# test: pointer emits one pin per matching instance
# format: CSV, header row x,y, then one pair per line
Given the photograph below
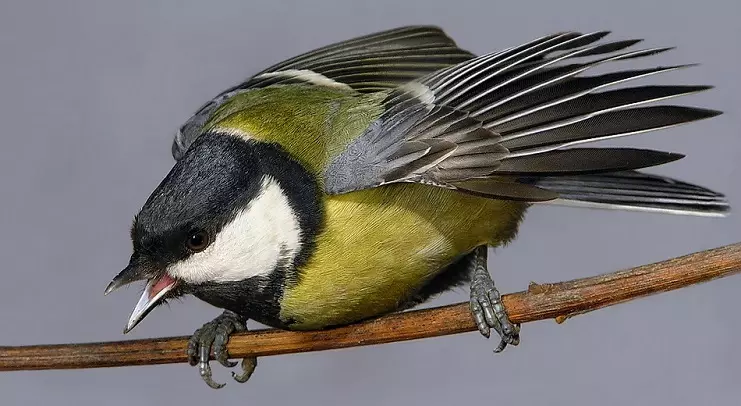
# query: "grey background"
x,y
91,92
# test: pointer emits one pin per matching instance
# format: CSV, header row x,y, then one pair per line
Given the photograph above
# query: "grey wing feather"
x,y
507,117
602,126
369,63
634,190
532,105
584,160
403,54
388,151
589,105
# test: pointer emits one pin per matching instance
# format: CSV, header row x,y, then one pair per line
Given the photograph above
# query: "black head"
x,y
230,210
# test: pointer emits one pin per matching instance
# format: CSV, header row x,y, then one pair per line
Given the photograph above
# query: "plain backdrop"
x,y
92,91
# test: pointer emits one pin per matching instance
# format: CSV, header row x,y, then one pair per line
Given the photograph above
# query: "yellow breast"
x,y
379,246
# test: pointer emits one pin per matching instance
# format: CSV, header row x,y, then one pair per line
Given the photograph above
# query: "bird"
x,y
367,176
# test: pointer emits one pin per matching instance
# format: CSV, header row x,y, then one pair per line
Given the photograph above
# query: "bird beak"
x,y
154,291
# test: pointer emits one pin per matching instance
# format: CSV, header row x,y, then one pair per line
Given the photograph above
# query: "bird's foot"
x,y
214,335
487,308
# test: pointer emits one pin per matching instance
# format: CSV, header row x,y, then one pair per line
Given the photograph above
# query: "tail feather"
x,y
633,190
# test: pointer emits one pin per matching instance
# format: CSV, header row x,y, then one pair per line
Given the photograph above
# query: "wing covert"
x,y
369,63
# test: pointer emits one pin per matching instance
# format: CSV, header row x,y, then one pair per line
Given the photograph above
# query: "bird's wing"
x,y
365,64
374,62
484,124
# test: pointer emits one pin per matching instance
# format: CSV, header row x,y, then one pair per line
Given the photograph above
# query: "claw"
x,y
248,367
213,336
205,370
225,362
502,345
486,304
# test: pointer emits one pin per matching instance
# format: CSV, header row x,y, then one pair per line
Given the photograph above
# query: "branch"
x,y
539,302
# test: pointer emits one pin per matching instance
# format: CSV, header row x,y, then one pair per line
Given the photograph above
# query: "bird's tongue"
x,y
163,282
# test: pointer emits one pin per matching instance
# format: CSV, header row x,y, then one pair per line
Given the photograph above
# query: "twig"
x,y
539,302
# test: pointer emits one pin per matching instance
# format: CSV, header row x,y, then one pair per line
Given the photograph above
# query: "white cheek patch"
x,y
262,235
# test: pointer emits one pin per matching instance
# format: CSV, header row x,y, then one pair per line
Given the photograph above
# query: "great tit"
x,y
365,177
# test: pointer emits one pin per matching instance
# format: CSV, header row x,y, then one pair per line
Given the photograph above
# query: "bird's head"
x,y
230,210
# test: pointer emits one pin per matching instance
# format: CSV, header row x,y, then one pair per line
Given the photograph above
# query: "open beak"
x,y
155,290
153,293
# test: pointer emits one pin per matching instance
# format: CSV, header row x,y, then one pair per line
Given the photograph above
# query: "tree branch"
x,y
539,302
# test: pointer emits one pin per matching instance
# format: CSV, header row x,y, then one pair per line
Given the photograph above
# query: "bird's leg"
x,y
214,335
486,303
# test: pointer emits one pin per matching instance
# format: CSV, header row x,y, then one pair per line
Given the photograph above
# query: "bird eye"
x,y
198,241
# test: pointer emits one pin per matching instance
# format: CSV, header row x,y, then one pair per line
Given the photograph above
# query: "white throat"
x,y
261,236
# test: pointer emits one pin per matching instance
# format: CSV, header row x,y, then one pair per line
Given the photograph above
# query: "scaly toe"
x,y
478,317
489,314
193,349
213,336
219,345
204,368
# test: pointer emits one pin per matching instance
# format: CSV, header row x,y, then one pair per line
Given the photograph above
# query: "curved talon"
x,y
205,370
222,356
225,362
248,367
